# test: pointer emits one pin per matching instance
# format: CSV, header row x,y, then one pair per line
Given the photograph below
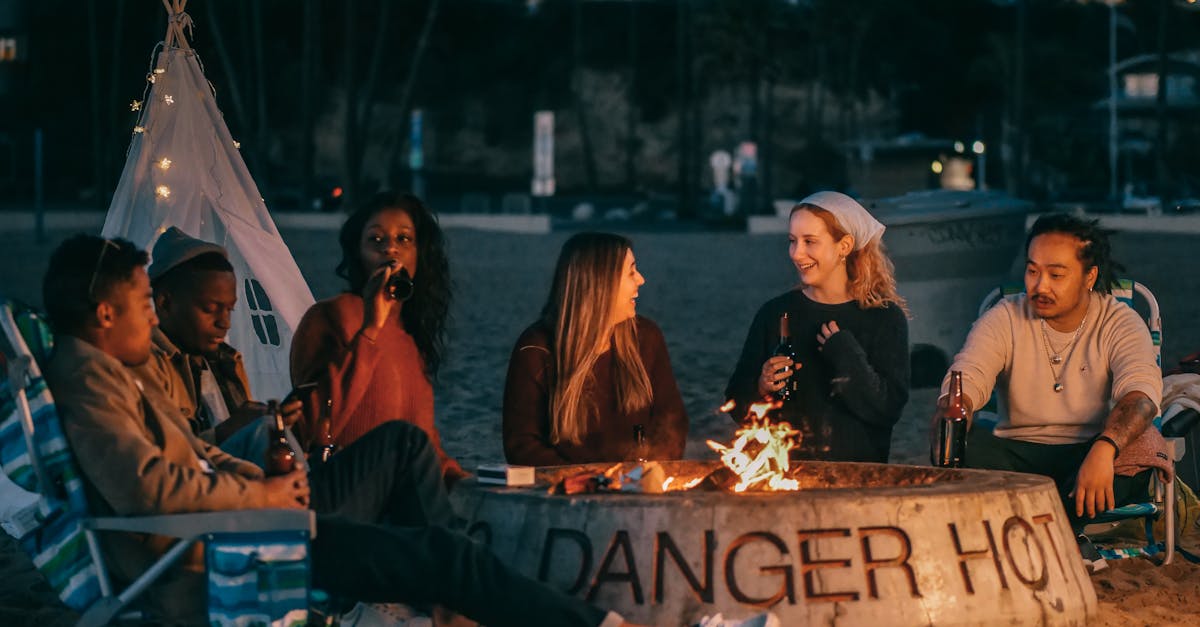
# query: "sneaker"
x,y
1092,560
765,619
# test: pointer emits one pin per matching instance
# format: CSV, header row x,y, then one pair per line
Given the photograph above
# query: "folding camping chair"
x,y
58,533
1163,500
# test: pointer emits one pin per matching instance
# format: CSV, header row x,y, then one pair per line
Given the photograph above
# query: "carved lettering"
x,y
1014,523
786,590
1044,520
664,545
809,565
620,541
965,556
581,540
872,564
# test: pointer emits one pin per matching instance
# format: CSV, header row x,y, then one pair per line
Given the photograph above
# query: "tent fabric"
x,y
184,169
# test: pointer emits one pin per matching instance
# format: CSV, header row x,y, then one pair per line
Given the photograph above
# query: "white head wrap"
x,y
853,218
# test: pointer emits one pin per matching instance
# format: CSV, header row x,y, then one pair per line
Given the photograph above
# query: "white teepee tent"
x,y
183,169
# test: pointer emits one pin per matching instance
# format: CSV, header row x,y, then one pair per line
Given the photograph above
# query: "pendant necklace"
x,y
1056,358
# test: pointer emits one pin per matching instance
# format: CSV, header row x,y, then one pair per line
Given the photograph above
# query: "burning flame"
x,y
759,455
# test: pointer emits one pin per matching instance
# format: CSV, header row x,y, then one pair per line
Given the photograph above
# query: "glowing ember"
x,y
727,407
759,454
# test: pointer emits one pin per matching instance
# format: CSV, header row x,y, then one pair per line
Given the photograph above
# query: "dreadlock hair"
x,y
1096,250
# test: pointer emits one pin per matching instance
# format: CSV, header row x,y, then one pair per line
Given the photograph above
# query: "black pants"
x,y
1060,462
382,536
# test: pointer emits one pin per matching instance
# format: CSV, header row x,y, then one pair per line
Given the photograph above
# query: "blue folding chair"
x,y
268,584
1162,502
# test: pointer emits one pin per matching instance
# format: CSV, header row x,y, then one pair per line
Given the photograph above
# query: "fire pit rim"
x,y
966,480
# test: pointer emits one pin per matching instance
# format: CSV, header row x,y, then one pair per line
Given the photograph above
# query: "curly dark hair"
x,y
1096,250
426,314
84,271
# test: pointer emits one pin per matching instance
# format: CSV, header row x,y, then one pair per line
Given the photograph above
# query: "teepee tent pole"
x,y
177,20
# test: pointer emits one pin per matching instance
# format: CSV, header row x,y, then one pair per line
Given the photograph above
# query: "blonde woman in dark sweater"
x,y
591,374
849,333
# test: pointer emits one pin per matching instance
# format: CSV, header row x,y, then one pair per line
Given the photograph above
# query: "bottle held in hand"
x,y
785,349
641,447
400,286
281,459
323,447
950,439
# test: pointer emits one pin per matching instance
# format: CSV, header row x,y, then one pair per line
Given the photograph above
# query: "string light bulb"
x,y
139,129
160,70
136,105
237,144
164,164
150,78
162,191
169,99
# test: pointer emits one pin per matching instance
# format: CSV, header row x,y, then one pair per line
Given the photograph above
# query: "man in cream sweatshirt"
x,y
1074,372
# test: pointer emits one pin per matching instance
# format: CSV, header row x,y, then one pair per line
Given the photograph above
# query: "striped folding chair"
x,y
260,575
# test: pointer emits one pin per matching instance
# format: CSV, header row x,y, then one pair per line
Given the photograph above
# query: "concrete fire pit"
x,y
859,544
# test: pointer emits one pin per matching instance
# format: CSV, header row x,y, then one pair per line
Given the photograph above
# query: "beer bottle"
x,y
280,458
950,440
641,448
784,349
322,445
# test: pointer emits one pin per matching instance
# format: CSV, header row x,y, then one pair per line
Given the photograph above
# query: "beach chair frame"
x,y
23,374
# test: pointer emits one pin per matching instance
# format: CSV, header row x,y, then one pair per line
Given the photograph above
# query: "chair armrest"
x,y
1180,423
195,525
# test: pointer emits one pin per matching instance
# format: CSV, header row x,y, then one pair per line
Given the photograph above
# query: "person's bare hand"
x,y
377,305
292,411
774,372
827,331
1094,484
288,491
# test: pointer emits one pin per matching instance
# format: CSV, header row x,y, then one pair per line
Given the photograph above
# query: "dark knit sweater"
x,y
851,390
609,433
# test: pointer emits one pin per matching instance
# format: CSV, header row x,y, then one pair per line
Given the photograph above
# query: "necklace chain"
x,y
1056,359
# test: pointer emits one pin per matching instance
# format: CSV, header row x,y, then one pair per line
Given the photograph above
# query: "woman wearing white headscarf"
x,y
849,335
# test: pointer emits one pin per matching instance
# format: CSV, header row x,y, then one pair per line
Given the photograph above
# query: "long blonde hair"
x,y
872,276
577,314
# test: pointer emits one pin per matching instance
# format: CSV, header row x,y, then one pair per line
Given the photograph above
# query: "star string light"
x,y
169,99
162,191
164,164
136,105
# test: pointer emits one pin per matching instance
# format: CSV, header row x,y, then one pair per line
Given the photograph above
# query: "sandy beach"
x,y
702,289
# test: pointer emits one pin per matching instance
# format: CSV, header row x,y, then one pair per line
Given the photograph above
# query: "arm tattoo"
x,y
1132,415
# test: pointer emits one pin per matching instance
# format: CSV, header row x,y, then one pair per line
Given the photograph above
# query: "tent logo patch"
x,y
261,316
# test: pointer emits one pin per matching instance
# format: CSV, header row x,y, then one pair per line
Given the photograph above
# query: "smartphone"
x,y
298,391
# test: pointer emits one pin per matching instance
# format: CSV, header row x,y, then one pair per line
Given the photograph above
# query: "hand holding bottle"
x,y
377,303
774,374
288,491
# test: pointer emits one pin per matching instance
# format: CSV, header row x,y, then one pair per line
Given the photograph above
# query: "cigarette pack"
x,y
503,474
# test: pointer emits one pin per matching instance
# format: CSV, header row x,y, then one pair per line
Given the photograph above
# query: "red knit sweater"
x,y
370,382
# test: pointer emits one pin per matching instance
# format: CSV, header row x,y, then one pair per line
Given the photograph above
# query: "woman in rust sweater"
x,y
591,374
373,352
